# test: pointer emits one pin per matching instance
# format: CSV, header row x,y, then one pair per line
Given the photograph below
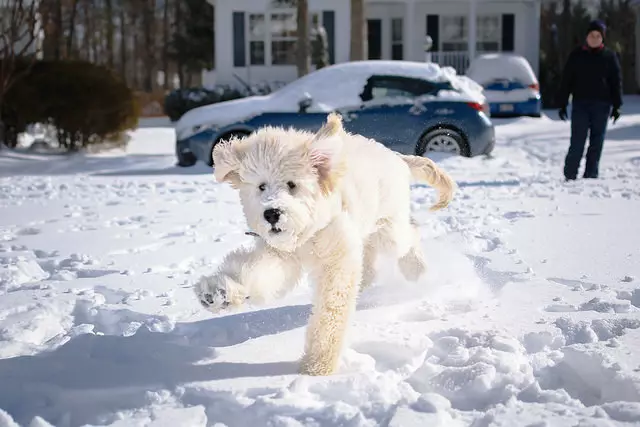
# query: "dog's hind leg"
x,y
337,271
412,264
370,253
401,237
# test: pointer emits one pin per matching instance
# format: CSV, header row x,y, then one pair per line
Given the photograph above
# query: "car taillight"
x,y
535,86
479,107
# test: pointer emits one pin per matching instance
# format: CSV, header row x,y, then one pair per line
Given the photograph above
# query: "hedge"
x,y
87,103
179,101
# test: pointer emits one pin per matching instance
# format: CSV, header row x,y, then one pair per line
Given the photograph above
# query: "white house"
x,y
255,39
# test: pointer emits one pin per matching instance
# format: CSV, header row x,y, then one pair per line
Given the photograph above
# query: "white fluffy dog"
x,y
327,203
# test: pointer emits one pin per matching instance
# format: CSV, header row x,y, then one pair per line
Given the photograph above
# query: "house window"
x,y
283,38
279,4
455,30
453,34
256,39
489,33
396,38
272,37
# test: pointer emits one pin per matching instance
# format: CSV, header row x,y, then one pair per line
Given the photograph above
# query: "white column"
x,y
472,29
409,34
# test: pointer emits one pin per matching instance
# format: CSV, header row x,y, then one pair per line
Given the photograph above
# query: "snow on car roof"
x,y
347,79
488,67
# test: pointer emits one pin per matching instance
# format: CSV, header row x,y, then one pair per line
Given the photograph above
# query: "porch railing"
x,y
458,60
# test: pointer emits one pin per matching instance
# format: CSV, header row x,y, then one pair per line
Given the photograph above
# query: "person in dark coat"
x,y
592,75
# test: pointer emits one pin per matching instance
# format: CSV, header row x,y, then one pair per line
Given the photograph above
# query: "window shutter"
x,y
239,44
433,30
329,24
508,32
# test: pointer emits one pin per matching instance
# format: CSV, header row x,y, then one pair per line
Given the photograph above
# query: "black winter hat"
x,y
597,25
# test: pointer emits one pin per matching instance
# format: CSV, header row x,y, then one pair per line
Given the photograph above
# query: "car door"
x,y
389,112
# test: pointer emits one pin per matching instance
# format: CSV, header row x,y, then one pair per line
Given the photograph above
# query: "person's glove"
x,y
562,113
615,114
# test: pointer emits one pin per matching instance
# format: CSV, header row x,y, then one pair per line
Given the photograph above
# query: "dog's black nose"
x,y
272,216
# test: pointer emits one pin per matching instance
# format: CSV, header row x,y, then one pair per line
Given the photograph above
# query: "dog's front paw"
x,y
219,292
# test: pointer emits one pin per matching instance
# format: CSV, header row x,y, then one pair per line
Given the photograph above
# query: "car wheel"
x,y
186,160
443,140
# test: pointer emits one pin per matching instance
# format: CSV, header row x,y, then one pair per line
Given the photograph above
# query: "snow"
x,y
490,67
336,87
529,314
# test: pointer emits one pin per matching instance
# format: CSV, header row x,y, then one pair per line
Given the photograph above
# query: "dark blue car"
x,y
411,107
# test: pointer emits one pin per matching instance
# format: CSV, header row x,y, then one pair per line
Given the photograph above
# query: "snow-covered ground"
x,y
529,315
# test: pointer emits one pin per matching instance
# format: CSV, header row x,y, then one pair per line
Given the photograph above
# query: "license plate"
x,y
506,107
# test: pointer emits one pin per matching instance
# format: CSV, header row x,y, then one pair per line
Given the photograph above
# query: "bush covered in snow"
x,y
86,103
179,101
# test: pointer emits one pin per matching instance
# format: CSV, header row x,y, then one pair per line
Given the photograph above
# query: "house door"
x,y
374,38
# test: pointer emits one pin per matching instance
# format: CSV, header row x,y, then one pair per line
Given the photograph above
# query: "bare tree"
x,y
109,19
18,44
165,43
72,27
149,37
303,59
358,31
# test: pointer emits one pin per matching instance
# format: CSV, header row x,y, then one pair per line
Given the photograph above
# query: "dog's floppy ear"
x,y
324,152
226,161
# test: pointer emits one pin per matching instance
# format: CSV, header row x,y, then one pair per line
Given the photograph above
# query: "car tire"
x,y
186,160
443,140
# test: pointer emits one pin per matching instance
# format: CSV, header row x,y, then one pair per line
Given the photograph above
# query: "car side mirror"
x,y
305,103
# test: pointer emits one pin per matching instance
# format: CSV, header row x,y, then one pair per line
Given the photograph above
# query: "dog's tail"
x,y
425,170
331,127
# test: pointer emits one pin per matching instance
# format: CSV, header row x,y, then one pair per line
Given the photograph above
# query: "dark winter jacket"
x,y
592,75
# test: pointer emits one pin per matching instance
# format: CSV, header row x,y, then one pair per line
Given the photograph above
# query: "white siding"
x,y
526,34
224,45
526,37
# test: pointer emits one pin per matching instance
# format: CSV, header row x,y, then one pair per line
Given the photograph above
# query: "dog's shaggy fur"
x,y
327,203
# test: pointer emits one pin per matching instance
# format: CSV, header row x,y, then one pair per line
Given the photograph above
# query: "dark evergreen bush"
x,y
85,102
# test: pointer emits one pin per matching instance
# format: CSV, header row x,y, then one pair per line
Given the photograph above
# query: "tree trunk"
x,y
134,54
123,41
358,31
165,44
72,27
148,28
179,27
302,47
109,36
566,30
57,39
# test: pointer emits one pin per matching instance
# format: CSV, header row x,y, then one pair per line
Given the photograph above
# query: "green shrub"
x,y
86,103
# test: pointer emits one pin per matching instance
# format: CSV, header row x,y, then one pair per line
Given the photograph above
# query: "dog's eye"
x,y
291,185
262,186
